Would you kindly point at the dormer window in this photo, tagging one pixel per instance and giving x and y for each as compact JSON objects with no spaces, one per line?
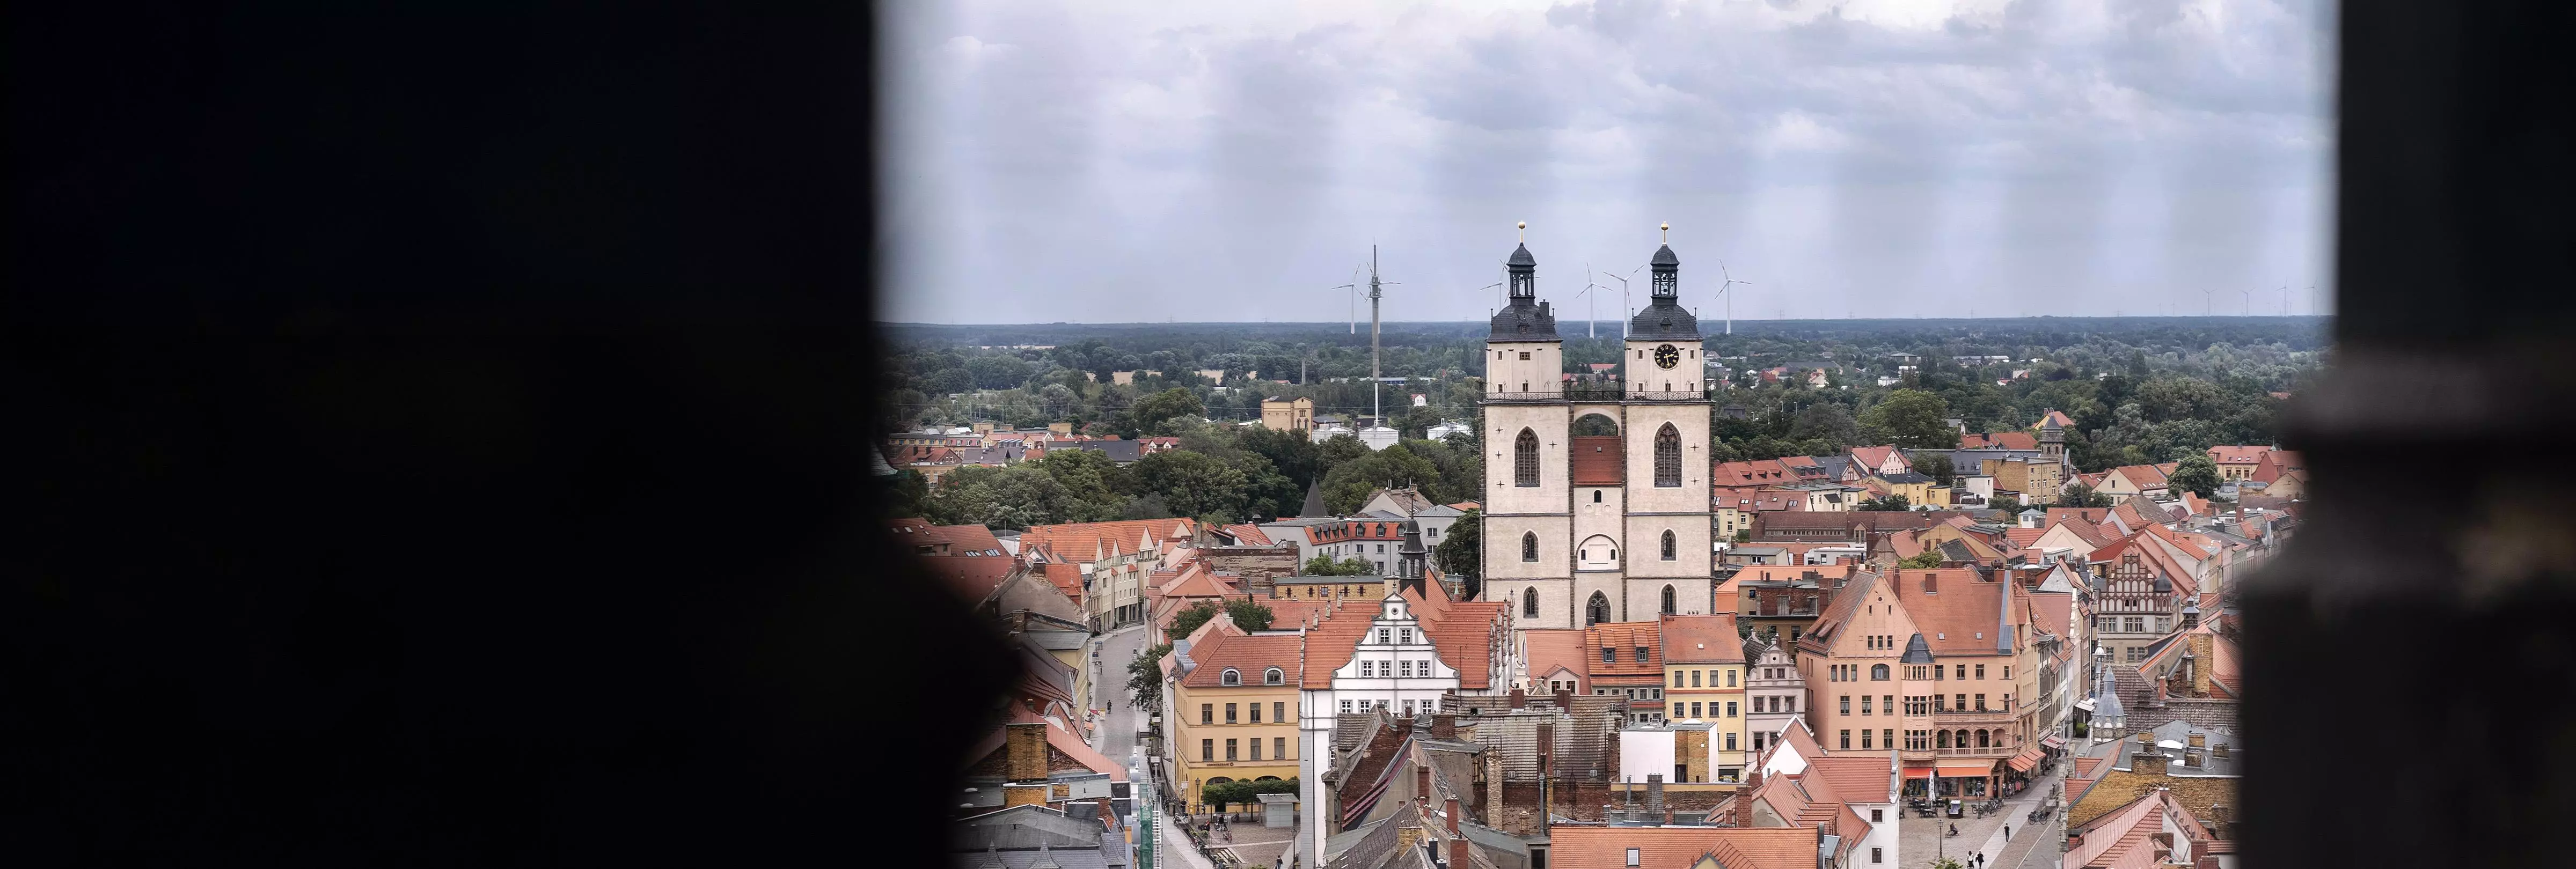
{"x":1273,"y":676}
{"x":1230,"y":677}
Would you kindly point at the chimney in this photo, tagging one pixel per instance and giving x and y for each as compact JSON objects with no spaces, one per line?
{"x":1026,"y":747}
{"x":1457,"y":852}
{"x":1422,"y":784}
{"x":2198,"y":740}
{"x":1444,"y":725}
{"x":1546,"y":749}
{"x":2147,"y":762}
{"x":1450,"y":809}
{"x":1655,"y":795}
{"x":1519,"y":698}
{"x":2200,"y":649}
{"x":2220,"y":751}
{"x":1565,"y":699}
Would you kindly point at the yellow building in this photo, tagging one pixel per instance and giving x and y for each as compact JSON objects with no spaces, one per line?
{"x":1233,"y":708}
{"x":1704,"y":681}
{"x":1917,"y":488}
{"x":1288,"y":414}
{"x":2038,"y":480}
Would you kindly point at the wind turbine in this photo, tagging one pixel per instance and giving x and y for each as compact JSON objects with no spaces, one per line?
{"x":2285,"y":300}
{"x":1591,"y":323}
{"x":1727,"y":291}
{"x":1354,"y":287}
{"x":2207,"y":307}
{"x":1624,"y":314}
{"x":2249,"y":302}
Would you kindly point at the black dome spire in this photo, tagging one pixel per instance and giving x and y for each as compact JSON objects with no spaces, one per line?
{"x":1521,"y":259}
{"x":1664,"y":257}
{"x":1525,"y":319}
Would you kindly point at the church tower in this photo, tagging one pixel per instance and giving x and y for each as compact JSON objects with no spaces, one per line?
{"x":1599,"y":527}
{"x":1666,"y":427}
{"x":1528,"y":559}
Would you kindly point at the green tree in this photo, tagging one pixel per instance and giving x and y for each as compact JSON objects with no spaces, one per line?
{"x":1152,"y":410}
{"x":2196,"y":474}
{"x":1188,"y":620}
{"x":1324,"y":565}
{"x":1249,"y":614}
{"x":2080,"y":495}
{"x":1929,"y":558}
{"x":1891,"y":503}
{"x":2009,"y":504}
{"x":1459,"y":553}
{"x":1939,"y":467}
{"x":1348,"y":484}
{"x":999,"y":372}
{"x":1191,"y":484}
{"x":1910,"y":418}
{"x":1145,"y":676}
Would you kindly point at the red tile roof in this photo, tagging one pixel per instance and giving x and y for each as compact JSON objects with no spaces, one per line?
{"x":1700,"y":639}
{"x":1855,"y":778}
{"x":1059,"y":738}
{"x":1677,"y":847}
{"x":1873,"y":458}
{"x":2232,"y":454}
{"x":1249,"y":656}
{"x":2024,"y":537}
{"x":1962,"y":617}
{"x":2006,"y":440}
{"x":1598,"y":460}
{"x":1248,"y":534}
{"x":1545,"y":650}
{"x":2063,"y":421}
{"x":1625,"y":638}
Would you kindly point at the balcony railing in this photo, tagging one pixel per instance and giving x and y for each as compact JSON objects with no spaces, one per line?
{"x":1694,"y":395}
{"x":1991,"y":751}
{"x":1528,"y":397}
{"x":1592,"y":391}
{"x":1972,"y":716}
{"x":1597,"y":392}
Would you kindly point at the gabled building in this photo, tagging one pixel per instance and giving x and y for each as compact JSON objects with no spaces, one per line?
{"x":2237,"y":462}
{"x":1402,"y":655}
{"x":1941,"y":664}
{"x":1233,"y":698}
{"x":1703,"y":662}
{"x":2155,"y":829}
{"x":1774,"y":694}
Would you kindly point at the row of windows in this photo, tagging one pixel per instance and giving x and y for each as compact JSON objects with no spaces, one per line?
{"x":1668,"y":458}
{"x":1278,"y":713}
{"x":1278,"y":749}
{"x":1694,"y":677}
{"x":1878,"y":672}
{"x":1925,"y":704}
{"x":1595,"y":611}
{"x":1610,"y":551}
{"x":1926,"y":740}
{"x":1403,"y":670}
{"x":1775,"y":704}
{"x":1712,"y":713}
{"x":1380,"y":705}
{"x":1232,"y":676}
{"x":1633,"y":693}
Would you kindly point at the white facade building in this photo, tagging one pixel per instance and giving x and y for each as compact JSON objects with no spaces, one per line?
{"x":1574,"y":538}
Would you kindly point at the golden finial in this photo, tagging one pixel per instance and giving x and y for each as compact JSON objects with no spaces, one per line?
{"x":1523,"y":235}
{"x":1668,"y":232}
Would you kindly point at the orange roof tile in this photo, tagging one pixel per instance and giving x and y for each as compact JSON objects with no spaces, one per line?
{"x":1624,"y":638}
{"x":1963,"y":616}
{"x":1545,"y":650}
{"x":1700,"y":639}
{"x":1677,"y":847}
{"x":1248,"y":655}
{"x":2006,"y":440}
{"x":2234,"y":454}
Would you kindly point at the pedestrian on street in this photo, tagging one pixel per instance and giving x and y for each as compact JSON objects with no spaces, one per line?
{"x":2007,"y":832}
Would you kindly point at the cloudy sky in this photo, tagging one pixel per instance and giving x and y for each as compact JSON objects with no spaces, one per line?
{"x":1110,"y":161}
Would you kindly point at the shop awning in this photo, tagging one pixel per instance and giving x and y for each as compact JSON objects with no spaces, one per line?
{"x":1966,"y":770}
{"x":1918,"y":772}
{"x":2053,"y":741}
{"x":2024,"y":761}
{"x":2085,"y":704}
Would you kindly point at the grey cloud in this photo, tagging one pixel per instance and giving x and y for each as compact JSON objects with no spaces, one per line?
{"x":1221,"y":167}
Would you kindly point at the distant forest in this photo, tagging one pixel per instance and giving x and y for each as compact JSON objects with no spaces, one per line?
{"x":2140,"y":389}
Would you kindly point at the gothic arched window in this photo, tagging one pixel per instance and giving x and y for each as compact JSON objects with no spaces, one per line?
{"x":1596,"y":612}
{"x":1529,"y":603}
{"x":1529,"y":546}
{"x":1525,"y":459}
{"x":1670,"y":550}
{"x":1668,"y":600}
{"x":1668,"y":457}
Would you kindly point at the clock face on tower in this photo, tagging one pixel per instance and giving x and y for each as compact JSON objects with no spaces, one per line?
{"x":1667,"y":357}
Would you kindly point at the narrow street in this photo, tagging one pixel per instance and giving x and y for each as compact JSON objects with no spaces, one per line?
{"x":1117,"y":734}
{"x":1922,"y":840}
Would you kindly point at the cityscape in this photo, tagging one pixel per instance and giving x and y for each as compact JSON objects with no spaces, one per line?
{"x":1825,"y":594}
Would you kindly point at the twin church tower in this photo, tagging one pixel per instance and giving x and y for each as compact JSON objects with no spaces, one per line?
{"x":1588,"y":528}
